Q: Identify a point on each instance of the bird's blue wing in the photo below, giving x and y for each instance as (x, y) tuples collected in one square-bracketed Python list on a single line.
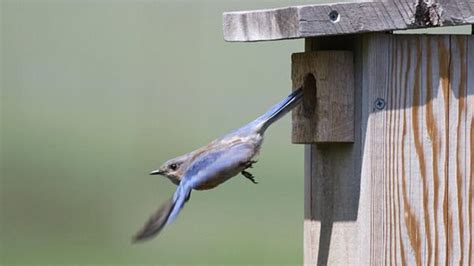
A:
[(213, 166), (217, 166), (165, 214)]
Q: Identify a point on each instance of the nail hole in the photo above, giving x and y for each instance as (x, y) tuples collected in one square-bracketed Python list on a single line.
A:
[(334, 16)]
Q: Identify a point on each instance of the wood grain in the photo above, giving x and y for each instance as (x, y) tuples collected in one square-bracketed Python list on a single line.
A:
[(327, 112), (332, 181), (413, 159), (343, 18), (461, 106)]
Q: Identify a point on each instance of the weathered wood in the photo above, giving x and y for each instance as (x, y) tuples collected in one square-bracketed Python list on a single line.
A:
[(327, 112), (332, 180), (403, 192), (461, 106), (343, 18), (469, 159)]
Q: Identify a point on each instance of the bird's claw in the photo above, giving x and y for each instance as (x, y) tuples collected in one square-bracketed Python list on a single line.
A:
[(249, 164), (249, 176)]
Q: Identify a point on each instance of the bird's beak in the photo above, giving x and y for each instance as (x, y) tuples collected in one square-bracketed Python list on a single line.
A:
[(157, 172)]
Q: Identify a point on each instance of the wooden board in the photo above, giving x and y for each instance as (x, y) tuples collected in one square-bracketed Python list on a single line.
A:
[(403, 193), (344, 18), (461, 124), (327, 112), (332, 181)]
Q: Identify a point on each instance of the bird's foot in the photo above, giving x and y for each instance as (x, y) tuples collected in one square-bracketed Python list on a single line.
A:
[(249, 176), (249, 164)]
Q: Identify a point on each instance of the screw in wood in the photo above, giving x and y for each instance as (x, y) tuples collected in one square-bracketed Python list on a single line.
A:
[(379, 104), (334, 16)]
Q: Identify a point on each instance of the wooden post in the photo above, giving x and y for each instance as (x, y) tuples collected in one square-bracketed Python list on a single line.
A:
[(403, 191), (332, 179)]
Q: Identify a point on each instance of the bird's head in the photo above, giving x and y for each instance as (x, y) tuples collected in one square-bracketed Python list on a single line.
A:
[(173, 169)]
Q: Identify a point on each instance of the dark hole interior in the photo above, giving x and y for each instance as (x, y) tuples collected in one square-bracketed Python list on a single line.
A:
[(309, 95)]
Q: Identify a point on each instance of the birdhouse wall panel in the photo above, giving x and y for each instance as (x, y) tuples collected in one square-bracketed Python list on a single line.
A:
[(327, 112), (402, 193)]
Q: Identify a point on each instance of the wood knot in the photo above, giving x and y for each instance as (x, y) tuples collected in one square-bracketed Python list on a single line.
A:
[(427, 14)]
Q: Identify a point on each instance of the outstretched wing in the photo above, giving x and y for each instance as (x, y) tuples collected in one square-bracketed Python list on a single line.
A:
[(211, 168), (217, 166), (165, 214), (156, 222)]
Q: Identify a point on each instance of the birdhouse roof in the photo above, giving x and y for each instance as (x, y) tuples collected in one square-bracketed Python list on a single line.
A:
[(344, 18)]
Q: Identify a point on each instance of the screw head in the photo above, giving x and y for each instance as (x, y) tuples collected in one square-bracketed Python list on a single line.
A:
[(379, 104), (334, 16)]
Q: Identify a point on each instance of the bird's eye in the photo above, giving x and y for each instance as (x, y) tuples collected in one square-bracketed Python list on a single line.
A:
[(173, 166)]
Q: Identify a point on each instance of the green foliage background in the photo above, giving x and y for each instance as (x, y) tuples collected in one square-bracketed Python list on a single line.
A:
[(95, 94)]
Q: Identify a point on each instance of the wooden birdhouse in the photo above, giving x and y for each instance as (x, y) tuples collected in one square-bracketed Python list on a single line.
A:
[(387, 122)]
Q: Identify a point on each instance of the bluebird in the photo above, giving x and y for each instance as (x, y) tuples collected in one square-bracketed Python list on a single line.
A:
[(213, 164)]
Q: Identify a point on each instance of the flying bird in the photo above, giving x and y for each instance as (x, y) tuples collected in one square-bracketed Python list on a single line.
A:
[(213, 164)]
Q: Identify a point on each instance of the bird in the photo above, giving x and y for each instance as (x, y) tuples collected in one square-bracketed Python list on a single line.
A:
[(213, 164)]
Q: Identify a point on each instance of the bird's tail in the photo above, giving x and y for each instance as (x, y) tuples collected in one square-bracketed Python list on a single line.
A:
[(279, 110), (166, 214)]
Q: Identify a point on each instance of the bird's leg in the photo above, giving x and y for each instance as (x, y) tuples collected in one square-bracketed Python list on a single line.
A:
[(249, 164), (248, 175)]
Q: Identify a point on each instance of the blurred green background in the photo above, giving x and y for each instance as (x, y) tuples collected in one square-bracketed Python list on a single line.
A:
[(96, 93)]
